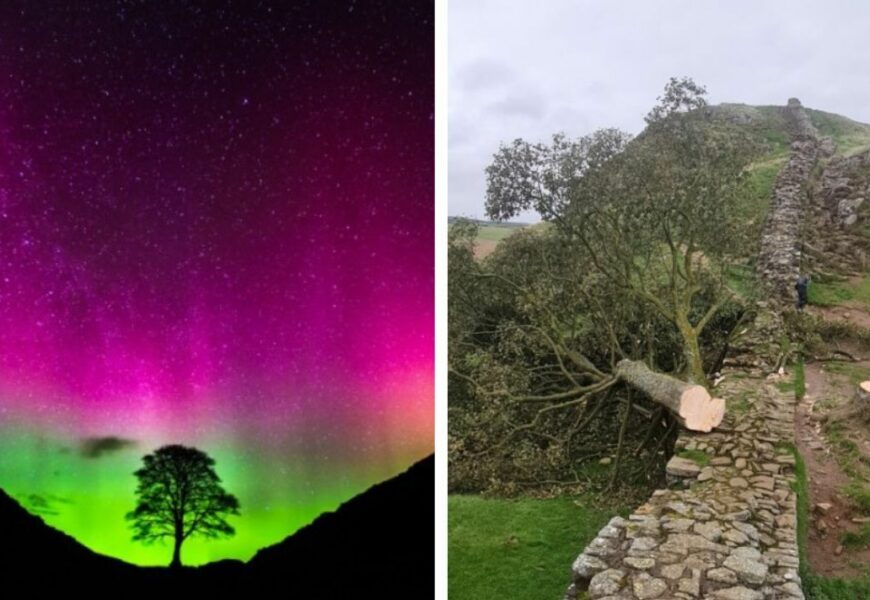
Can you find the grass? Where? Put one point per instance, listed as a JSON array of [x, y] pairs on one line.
[[696, 456], [800, 379], [496, 233], [858, 539], [740, 404], [855, 373], [858, 493], [740, 279], [824, 293], [785, 386], [518, 548], [849, 135]]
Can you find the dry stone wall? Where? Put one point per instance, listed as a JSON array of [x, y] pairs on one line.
[[726, 530], [779, 258]]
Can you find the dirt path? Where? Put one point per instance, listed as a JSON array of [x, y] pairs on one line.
[[824, 392], [851, 312]]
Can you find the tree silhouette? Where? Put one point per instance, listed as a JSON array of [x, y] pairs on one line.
[[180, 495]]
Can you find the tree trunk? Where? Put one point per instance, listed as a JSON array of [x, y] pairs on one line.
[[176, 554], [692, 353], [690, 403], [863, 393]]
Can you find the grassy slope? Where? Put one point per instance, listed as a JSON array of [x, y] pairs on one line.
[[518, 548]]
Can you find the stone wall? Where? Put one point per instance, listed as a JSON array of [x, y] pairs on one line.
[[726, 531], [844, 186], [779, 259]]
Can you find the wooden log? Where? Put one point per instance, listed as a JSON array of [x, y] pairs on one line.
[[863, 393], [690, 403]]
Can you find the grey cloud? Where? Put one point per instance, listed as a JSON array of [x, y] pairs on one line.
[[484, 74], [525, 68], [39, 504], [95, 447], [521, 103]]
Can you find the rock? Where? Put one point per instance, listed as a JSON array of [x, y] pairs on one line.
[[764, 482], [822, 507], [738, 482], [682, 467], [673, 571], [740, 463], [602, 547], [838, 550], [586, 566], [746, 529], [710, 531], [720, 461], [747, 565], [614, 529], [645, 586], [682, 543], [722, 575], [792, 589], [691, 586], [642, 545], [605, 461], [735, 537], [606, 583], [677, 525], [639, 563], [786, 521], [741, 515], [737, 593]]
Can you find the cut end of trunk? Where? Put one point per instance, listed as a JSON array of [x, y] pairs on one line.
[[864, 391], [699, 411], [865, 387]]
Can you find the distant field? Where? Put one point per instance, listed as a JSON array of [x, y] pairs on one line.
[[496, 232], [489, 234]]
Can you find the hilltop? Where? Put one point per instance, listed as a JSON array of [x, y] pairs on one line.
[[769, 127]]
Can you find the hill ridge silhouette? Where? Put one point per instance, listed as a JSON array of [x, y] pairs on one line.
[[380, 541]]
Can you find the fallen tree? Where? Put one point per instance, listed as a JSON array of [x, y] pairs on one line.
[[691, 404]]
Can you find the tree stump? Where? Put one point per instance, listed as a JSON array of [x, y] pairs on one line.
[[863, 393]]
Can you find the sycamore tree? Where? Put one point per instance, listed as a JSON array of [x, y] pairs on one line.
[[180, 495], [552, 336], [656, 215]]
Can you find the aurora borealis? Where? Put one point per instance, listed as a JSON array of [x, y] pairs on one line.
[[216, 229]]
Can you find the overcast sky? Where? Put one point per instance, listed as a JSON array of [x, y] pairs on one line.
[[530, 68]]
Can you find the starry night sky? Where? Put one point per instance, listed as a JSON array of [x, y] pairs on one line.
[[216, 228]]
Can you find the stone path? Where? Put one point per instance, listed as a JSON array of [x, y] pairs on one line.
[[726, 530]]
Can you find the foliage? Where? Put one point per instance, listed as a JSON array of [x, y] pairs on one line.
[[657, 216], [180, 495], [520, 546], [638, 262], [526, 333]]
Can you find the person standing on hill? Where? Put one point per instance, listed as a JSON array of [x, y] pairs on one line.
[[801, 286]]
